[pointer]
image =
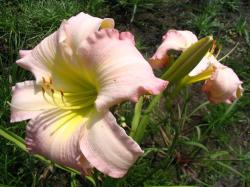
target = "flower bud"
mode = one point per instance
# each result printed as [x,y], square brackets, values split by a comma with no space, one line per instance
[223,86]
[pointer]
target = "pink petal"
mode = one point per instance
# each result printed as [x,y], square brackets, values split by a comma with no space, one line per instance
[23,53]
[173,39]
[205,62]
[39,60]
[107,147]
[58,49]
[27,101]
[55,134]
[79,27]
[122,73]
[223,86]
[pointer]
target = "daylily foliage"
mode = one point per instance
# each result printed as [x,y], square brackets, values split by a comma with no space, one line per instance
[82,70]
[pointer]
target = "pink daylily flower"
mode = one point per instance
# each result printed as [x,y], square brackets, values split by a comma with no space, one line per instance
[221,85]
[172,40]
[81,70]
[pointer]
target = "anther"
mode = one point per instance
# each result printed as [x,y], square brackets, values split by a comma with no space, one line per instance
[213,47]
[48,86]
[62,95]
[43,89]
[214,44]
[52,91]
[50,80]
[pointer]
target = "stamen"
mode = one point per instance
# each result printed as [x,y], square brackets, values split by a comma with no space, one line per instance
[50,80]
[52,94]
[213,47]
[44,96]
[44,81]
[43,90]
[62,95]
[70,101]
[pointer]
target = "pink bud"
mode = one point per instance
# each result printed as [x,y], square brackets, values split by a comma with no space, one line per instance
[223,86]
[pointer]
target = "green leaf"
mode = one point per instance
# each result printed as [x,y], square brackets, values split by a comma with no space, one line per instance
[230,168]
[73,181]
[110,182]
[91,179]
[198,132]
[202,105]
[227,112]
[218,154]
[13,138]
[197,144]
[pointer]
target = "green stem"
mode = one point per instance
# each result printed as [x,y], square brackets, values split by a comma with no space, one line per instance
[137,135]
[182,66]
[136,117]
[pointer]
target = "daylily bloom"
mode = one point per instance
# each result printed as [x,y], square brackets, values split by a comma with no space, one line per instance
[172,40]
[221,85]
[81,70]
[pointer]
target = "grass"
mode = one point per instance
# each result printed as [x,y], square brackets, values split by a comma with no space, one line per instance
[212,145]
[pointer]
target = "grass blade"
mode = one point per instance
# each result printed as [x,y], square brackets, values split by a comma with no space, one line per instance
[197,144]
[230,168]
[13,138]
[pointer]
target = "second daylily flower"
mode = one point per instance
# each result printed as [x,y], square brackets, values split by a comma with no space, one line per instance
[221,85]
[81,70]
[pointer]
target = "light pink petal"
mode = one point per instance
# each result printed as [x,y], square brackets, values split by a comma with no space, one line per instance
[56,53]
[27,101]
[205,62]
[23,53]
[73,31]
[174,39]
[55,134]
[127,36]
[121,71]
[107,147]
[223,86]
[40,59]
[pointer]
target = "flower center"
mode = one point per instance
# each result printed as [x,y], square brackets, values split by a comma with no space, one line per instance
[68,100]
